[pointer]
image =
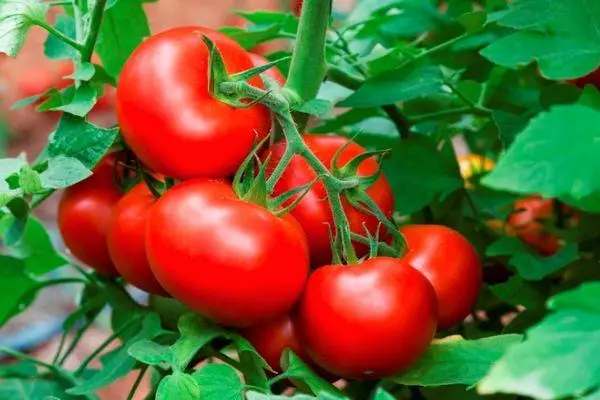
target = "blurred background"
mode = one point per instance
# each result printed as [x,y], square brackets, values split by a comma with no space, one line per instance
[25,131]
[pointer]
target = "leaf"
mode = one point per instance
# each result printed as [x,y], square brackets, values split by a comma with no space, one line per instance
[16,17]
[178,386]
[150,353]
[561,355]
[77,138]
[29,180]
[57,49]
[121,362]
[83,100]
[316,107]
[562,35]
[219,381]
[530,265]
[454,360]
[405,83]
[196,332]
[22,369]
[261,396]
[123,29]
[509,125]
[37,389]
[538,163]
[15,285]
[381,394]
[63,172]
[8,167]
[518,292]
[84,72]
[294,367]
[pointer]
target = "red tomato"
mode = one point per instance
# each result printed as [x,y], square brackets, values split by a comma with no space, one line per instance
[83,214]
[368,320]
[452,266]
[528,222]
[313,212]
[126,233]
[232,261]
[39,79]
[297,6]
[273,73]
[171,120]
[591,79]
[273,337]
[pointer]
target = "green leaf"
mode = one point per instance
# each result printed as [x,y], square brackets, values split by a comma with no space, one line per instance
[454,360]
[316,107]
[120,363]
[57,49]
[16,17]
[37,389]
[219,381]
[530,265]
[22,369]
[381,394]
[509,125]
[15,286]
[262,396]
[150,353]
[458,392]
[560,357]
[562,35]
[29,180]
[77,138]
[13,226]
[295,368]
[538,163]
[405,83]
[83,100]
[196,332]
[84,72]
[178,386]
[8,167]
[63,172]
[518,292]
[123,28]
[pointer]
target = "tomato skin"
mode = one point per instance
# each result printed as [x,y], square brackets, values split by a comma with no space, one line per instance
[313,212]
[273,337]
[450,263]
[83,214]
[368,320]
[592,78]
[229,260]
[126,239]
[171,120]
[273,73]
[297,6]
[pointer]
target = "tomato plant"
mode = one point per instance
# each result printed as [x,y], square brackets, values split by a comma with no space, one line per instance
[435,163]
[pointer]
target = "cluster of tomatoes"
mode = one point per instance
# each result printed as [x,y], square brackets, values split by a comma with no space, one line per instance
[240,264]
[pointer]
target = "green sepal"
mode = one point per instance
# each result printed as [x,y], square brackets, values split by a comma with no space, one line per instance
[302,190]
[251,73]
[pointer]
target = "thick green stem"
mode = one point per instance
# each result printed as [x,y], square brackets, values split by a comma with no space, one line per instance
[309,66]
[93,31]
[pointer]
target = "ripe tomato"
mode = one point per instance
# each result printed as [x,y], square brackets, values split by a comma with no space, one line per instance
[591,79]
[83,214]
[126,233]
[528,222]
[232,261]
[313,211]
[452,266]
[297,6]
[171,120]
[273,73]
[474,164]
[39,79]
[273,337]
[368,320]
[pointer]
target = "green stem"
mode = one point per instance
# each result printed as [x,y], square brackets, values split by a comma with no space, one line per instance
[211,352]
[137,382]
[58,34]
[308,67]
[80,332]
[93,31]
[452,112]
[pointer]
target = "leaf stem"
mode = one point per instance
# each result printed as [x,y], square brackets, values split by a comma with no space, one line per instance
[59,35]
[137,382]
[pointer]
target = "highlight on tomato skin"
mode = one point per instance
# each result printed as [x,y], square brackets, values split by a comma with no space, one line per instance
[368,320]
[83,214]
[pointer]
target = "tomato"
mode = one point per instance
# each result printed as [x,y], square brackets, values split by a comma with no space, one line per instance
[452,266]
[297,6]
[83,214]
[367,320]
[273,337]
[313,212]
[528,221]
[592,78]
[229,260]
[39,79]
[171,120]
[126,233]
[273,73]
[474,164]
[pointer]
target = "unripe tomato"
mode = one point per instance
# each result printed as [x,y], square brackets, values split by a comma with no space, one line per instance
[474,164]
[369,320]
[227,259]
[452,266]
[314,212]
[126,239]
[528,222]
[273,73]
[169,117]
[83,214]
[273,337]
